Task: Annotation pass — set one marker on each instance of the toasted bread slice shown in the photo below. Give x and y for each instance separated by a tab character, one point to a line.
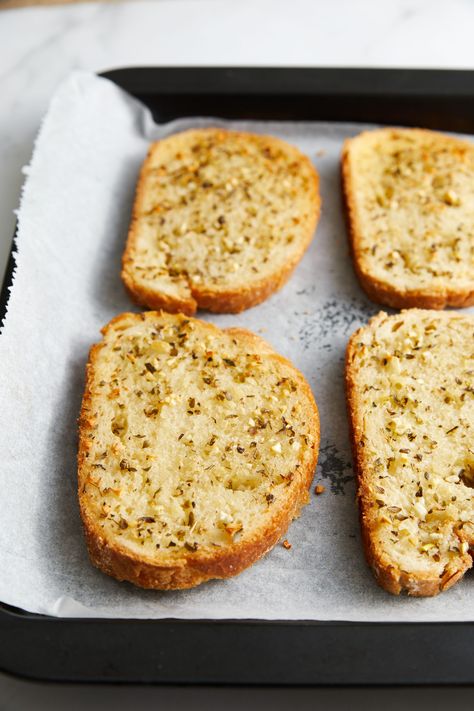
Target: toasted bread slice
410	204
197	449
410	391
220	221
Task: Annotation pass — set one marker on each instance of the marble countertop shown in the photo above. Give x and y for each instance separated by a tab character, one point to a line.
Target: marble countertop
40	46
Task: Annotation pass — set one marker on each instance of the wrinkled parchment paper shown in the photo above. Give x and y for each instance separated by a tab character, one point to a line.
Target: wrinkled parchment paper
72	225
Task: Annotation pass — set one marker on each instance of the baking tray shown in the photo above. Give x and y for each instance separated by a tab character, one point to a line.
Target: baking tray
255	651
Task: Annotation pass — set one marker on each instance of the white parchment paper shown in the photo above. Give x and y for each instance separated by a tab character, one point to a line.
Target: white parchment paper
72	224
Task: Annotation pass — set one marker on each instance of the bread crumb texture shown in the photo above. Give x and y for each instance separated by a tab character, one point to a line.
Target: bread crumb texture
220	220
410	383
197	448
410	200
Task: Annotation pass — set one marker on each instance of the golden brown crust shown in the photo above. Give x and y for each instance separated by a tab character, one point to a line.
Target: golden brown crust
155	300
389	576
197	567
215	299
193	569
137	292
379	291
234	302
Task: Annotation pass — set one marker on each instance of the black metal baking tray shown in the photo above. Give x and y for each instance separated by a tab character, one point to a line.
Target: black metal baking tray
249	651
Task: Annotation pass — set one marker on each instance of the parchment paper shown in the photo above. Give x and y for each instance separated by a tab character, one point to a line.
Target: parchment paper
72	225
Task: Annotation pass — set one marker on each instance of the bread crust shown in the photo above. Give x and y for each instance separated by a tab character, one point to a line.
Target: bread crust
190	569
214	299
389	575
379	291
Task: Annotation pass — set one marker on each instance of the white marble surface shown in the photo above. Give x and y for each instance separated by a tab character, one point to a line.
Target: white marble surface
39	46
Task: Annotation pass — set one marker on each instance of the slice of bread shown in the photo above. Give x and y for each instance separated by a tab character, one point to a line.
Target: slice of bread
197	449
220	221
409	196
410	391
